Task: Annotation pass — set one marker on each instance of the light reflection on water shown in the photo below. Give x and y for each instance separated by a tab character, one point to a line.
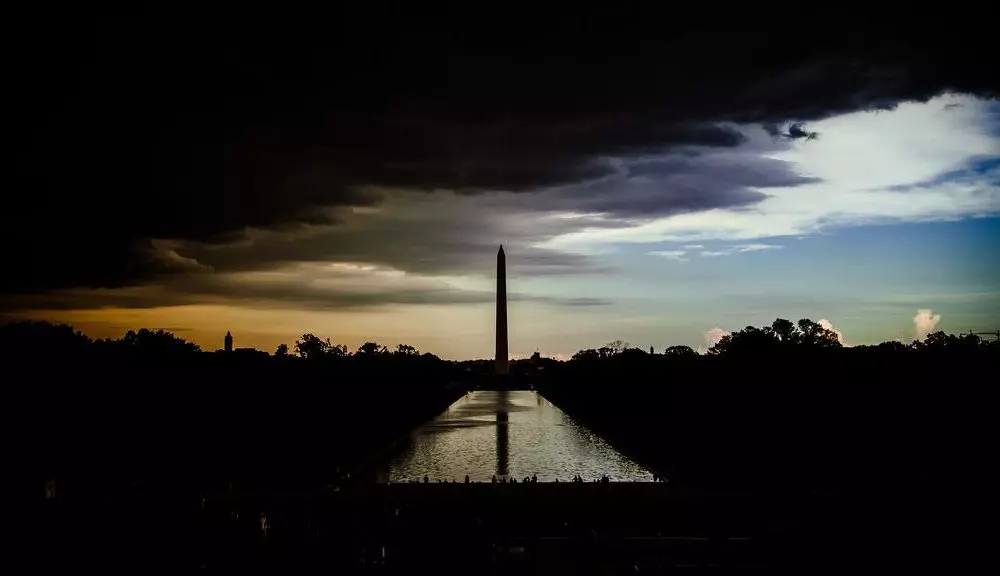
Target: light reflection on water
516	434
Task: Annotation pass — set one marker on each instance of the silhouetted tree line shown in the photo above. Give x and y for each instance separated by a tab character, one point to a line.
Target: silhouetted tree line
151	409
312	347
786	406
780	406
781	335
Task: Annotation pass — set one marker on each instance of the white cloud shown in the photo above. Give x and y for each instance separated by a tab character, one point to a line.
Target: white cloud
924	322
872	167
829	326
670	254
740	248
756	247
694	246
713	336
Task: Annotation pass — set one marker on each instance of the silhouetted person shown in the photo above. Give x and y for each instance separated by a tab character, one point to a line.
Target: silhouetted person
466	478
534	479
426	480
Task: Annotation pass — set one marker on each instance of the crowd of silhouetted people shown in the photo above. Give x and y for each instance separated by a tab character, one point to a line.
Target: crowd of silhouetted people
533	479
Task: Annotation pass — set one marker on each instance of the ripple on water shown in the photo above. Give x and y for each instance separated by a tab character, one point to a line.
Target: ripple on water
515	434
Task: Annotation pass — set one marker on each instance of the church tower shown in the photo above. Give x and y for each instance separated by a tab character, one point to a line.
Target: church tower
229	342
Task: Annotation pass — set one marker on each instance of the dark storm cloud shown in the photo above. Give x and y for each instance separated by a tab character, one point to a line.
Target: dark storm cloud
452	233
290	291
291	295
159	131
672	184
434	233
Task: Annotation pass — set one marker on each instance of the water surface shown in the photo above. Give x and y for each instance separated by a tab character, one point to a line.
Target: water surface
515	434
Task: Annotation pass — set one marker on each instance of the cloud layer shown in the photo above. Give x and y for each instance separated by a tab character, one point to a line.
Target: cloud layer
311	286
439	246
920	162
199	141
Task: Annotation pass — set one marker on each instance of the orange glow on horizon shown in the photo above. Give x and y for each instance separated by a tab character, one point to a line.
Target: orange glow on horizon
454	332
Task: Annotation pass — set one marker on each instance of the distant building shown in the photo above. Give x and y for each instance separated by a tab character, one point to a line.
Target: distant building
229	342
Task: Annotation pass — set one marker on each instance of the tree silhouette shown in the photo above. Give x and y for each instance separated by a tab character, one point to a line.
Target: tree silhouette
940	341
892	347
311	347
786	331
160	342
371	349
680	352
589	354
41	338
815	335
750	340
617	346
780	335
406	350
282	350
609	350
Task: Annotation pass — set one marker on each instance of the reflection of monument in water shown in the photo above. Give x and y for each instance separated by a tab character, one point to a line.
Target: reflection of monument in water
503	440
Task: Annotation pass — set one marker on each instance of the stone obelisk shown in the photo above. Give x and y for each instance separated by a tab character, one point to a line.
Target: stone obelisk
501	357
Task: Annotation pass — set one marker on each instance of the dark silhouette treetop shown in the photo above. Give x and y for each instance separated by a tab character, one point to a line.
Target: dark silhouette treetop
146	341
312	347
371	349
41	338
781	335
406	350
680	352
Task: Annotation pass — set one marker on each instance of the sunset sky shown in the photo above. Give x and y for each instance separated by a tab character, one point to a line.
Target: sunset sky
657	208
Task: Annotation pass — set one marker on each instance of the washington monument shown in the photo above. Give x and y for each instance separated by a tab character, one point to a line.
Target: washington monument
501	357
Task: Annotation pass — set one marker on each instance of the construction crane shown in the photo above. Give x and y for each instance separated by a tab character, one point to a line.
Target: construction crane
993	334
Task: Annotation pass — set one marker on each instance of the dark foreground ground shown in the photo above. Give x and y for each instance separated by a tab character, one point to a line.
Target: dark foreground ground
836	461
626	528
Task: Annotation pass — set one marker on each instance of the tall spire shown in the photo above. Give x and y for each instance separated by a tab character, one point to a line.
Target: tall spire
501	352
